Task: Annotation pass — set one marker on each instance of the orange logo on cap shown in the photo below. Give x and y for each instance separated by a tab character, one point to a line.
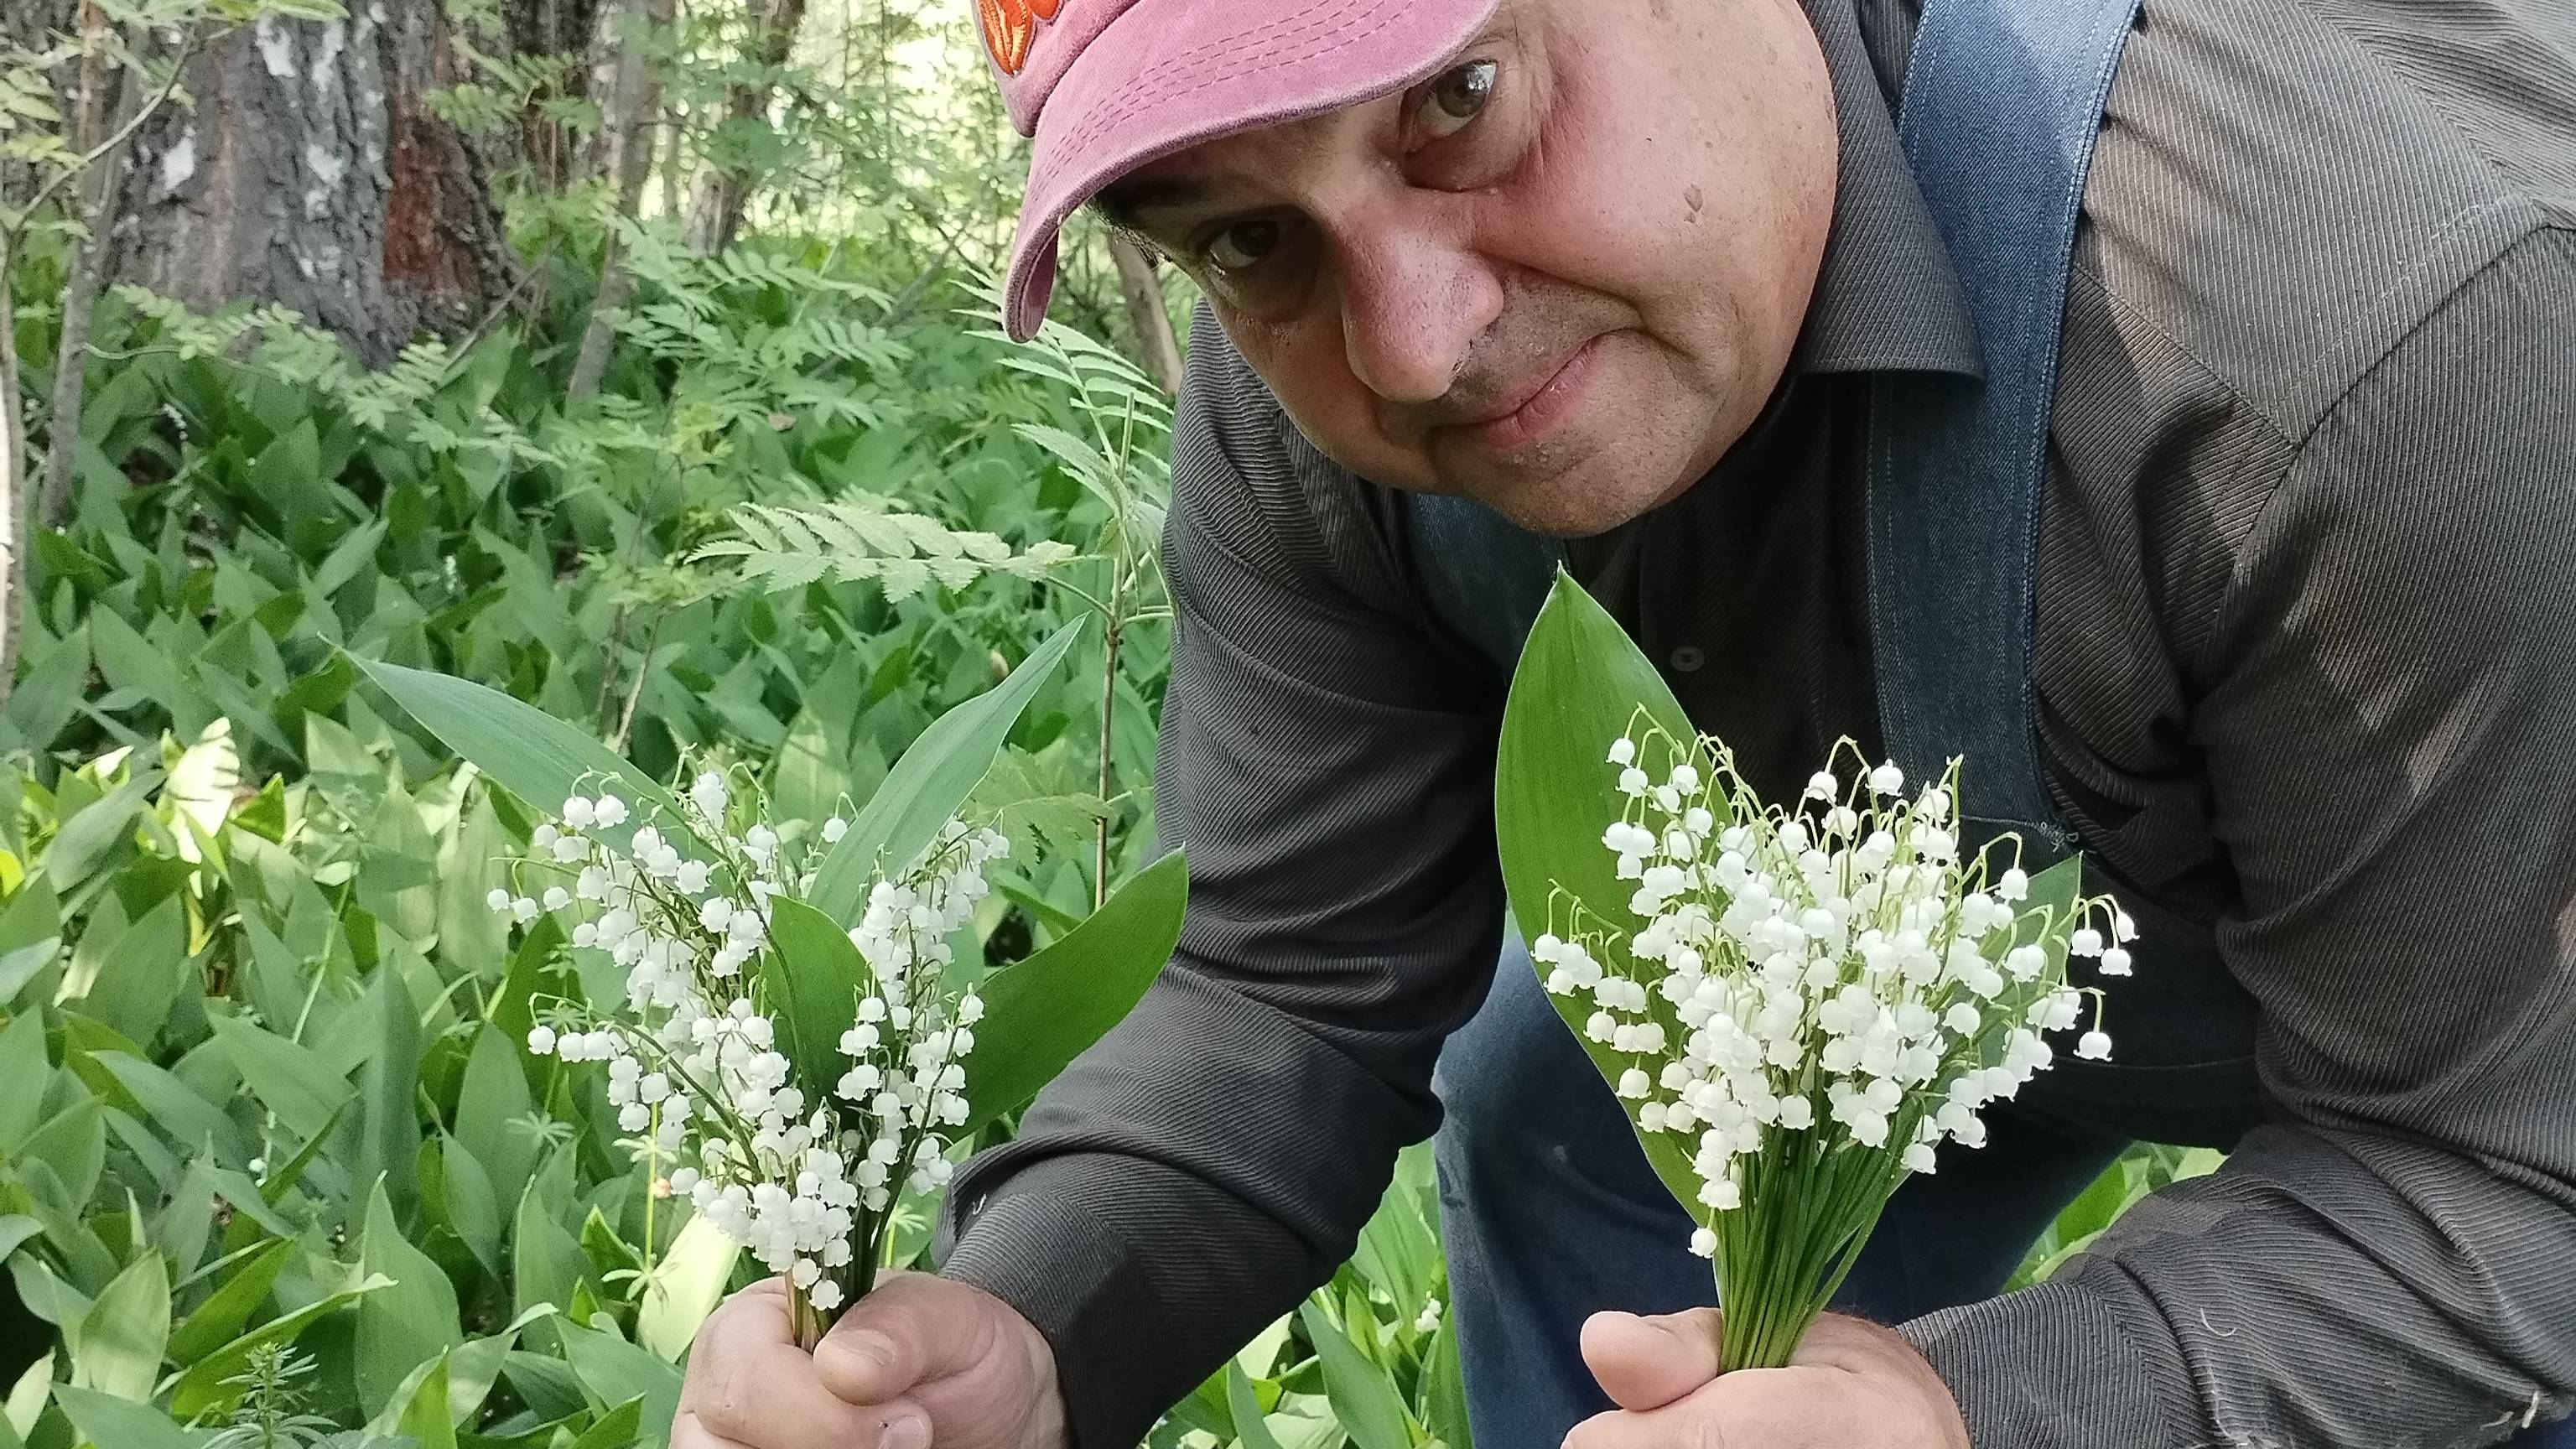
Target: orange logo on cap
1011	26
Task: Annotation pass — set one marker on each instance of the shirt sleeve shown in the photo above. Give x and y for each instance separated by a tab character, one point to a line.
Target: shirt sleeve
2390	741
1329	771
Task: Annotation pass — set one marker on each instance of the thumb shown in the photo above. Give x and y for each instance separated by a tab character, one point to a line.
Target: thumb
1646	1363
913	1329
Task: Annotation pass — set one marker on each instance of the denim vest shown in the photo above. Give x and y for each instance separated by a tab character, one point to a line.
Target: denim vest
2003	99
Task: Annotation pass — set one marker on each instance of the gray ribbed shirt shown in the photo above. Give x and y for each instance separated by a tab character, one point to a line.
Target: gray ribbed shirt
2306	659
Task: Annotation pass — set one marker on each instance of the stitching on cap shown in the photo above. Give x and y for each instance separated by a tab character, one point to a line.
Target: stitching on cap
1340	36
1159	85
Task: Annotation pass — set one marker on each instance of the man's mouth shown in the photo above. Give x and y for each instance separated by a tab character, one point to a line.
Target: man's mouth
1532	412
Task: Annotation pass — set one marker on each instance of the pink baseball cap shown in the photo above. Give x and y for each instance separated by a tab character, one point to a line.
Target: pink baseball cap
1106	86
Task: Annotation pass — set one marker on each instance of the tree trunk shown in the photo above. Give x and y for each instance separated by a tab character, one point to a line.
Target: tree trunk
633	95
97	195
13	486
1156	345
556	27
716	202
312	173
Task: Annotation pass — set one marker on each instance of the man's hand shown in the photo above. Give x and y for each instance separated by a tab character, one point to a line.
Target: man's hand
1852	1385
919	1361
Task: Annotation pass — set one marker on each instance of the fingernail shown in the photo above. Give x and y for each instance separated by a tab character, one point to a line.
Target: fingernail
906	1431
873	1349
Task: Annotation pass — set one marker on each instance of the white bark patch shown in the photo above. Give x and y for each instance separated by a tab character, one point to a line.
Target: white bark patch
179	162
326	56
276	46
327	170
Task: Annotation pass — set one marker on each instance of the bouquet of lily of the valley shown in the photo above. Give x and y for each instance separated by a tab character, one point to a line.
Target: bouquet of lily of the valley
799	1022
1796	1003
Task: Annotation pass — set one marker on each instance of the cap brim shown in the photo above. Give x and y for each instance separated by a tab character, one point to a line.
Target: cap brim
1169	74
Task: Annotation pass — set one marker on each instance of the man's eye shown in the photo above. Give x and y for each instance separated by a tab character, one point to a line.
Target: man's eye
1458	98
1243	245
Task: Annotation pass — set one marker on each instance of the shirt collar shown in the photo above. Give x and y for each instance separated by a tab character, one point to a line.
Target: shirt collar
1887	298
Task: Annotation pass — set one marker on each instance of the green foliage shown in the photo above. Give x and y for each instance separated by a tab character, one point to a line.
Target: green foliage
1580	684
1369	1360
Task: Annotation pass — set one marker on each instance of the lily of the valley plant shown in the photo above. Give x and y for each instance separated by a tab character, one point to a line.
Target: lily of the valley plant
801	1172
804	1025
1796	1004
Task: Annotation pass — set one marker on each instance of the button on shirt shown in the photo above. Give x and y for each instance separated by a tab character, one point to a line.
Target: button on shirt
2306	663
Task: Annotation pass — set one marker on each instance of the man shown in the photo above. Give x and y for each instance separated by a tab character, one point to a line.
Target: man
1656	278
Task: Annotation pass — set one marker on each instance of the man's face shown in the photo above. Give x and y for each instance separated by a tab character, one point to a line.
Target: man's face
1562	277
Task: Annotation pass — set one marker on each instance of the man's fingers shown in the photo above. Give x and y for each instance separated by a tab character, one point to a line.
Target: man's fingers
911	1330
688	1433
1646	1363
750	1387
771	1398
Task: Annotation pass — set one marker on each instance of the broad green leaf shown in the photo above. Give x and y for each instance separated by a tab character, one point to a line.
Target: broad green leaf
512	1007
1362	1399
490	1112
348	559
282	1180
546	1261
219	1319
412	1320
471	1209
418	1408
28	1397
202	785
118	1345
1580	685
475	1365
1262	1354
811	978
24	1071
388	1140
532	754
292	1080
1245	1405
398	867
187	1216
87	838
547	1385
615	1429
129	661
471	935
142	973
1041	1013
931	780
74	1145
15	1229
1396	1251
190	1120
113	1422
201	1387
613	1371
808	776
684	1287
48	697
31	934
1444	1390
45	1295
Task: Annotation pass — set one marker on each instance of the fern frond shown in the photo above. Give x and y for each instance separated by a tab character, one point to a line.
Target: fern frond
863	538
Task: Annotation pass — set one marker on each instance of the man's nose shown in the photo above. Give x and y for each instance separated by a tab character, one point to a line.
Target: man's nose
1412	303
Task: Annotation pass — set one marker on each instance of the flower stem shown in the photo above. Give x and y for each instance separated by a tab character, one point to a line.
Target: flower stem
809	1322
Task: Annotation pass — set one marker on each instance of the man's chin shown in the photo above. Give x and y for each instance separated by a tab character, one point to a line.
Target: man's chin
1574	504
